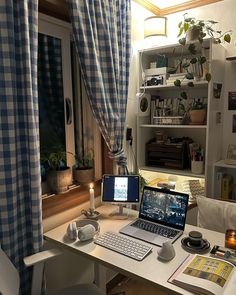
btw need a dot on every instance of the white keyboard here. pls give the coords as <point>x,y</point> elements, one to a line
<point>123,245</point>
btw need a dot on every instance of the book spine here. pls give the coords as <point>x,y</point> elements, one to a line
<point>219,176</point>
<point>227,187</point>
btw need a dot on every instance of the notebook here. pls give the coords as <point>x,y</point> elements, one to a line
<point>162,216</point>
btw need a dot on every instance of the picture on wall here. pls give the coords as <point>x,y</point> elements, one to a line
<point>232,100</point>
<point>234,124</point>
<point>217,90</point>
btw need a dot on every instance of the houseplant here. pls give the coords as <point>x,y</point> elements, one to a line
<point>192,33</point>
<point>84,167</point>
<point>197,113</point>
<point>59,175</point>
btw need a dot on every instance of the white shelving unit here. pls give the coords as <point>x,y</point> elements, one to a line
<point>209,135</point>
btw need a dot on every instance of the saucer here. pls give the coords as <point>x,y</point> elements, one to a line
<point>203,248</point>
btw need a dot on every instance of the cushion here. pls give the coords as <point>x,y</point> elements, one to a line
<point>216,215</point>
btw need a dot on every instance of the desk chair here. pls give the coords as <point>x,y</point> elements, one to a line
<point>216,215</point>
<point>10,281</point>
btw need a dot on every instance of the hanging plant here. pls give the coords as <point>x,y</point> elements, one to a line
<point>192,33</point>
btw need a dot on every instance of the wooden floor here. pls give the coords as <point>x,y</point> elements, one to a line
<point>133,287</point>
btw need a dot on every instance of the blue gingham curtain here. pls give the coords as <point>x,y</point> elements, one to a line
<point>102,33</point>
<point>20,205</point>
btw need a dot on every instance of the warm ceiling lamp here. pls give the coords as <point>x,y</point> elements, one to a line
<point>155,26</point>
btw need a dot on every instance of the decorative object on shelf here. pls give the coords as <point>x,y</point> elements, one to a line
<point>198,113</point>
<point>232,100</point>
<point>84,167</point>
<point>230,239</point>
<point>144,103</point>
<point>217,90</point>
<point>155,26</point>
<point>59,175</point>
<point>194,188</point>
<point>197,156</point>
<point>234,124</point>
<point>194,31</point>
<point>231,155</point>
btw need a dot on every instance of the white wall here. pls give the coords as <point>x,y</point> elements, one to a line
<point>224,13</point>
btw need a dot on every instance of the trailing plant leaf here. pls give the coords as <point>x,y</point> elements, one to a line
<point>177,83</point>
<point>208,77</point>
<point>193,60</point>
<point>202,60</point>
<point>227,38</point>
<point>189,76</point>
<point>182,41</point>
<point>184,95</point>
<point>190,84</point>
<point>192,49</point>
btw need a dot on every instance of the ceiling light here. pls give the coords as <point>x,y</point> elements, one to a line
<point>155,26</point>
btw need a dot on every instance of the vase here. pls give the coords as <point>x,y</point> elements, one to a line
<point>59,180</point>
<point>197,117</point>
<point>84,175</point>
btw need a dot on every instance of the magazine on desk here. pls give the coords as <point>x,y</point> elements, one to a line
<point>205,275</point>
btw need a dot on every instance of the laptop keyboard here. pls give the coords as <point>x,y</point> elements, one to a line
<point>155,228</point>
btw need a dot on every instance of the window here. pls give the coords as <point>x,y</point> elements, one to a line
<point>62,124</point>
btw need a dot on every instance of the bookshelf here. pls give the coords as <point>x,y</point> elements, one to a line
<point>208,134</point>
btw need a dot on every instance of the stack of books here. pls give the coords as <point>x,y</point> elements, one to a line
<point>173,77</point>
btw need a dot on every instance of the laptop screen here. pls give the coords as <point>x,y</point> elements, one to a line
<point>164,207</point>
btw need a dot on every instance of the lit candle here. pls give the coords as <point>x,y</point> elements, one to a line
<point>230,239</point>
<point>91,193</point>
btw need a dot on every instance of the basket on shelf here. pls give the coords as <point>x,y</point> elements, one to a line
<point>168,120</point>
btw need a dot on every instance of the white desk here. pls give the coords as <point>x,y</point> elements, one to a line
<point>149,270</point>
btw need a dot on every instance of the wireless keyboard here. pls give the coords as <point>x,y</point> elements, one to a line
<point>123,245</point>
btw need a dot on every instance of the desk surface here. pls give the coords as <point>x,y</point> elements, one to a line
<point>150,270</point>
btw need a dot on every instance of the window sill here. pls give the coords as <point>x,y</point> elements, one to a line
<point>59,203</point>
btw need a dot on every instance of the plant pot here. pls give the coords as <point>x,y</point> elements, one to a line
<point>59,180</point>
<point>85,175</point>
<point>197,117</point>
<point>192,35</point>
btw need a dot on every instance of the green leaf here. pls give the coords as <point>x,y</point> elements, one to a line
<point>192,49</point>
<point>182,41</point>
<point>208,77</point>
<point>180,24</point>
<point>188,20</point>
<point>190,84</point>
<point>201,23</point>
<point>189,76</point>
<point>180,31</point>
<point>186,26</point>
<point>202,60</point>
<point>177,83</point>
<point>227,38</point>
<point>186,65</point>
<point>193,60</point>
<point>184,95</point>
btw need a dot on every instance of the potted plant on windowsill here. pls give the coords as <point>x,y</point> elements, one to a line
<point>192,33</point>
<point>84,167</point>
<point>59,175</point>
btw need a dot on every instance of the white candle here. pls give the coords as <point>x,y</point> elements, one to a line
<point>91,193</point>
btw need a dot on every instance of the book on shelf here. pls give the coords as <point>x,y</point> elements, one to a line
<point>206,276</point>
<point>227,187</point>
<point>219,176</point>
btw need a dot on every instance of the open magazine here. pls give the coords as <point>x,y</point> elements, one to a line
<point>206,275</point>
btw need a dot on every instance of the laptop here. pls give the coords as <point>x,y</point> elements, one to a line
<point>162,216</point>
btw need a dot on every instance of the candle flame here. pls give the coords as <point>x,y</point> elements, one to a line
<point>91,185</point>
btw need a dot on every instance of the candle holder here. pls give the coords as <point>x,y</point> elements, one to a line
<point>230,239</point>
<point>90,213</point>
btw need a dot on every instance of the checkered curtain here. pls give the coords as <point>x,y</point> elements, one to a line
<point>20,205</point>
<point>102,33</point>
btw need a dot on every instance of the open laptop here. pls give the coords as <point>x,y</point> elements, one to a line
<point>162,216</point>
